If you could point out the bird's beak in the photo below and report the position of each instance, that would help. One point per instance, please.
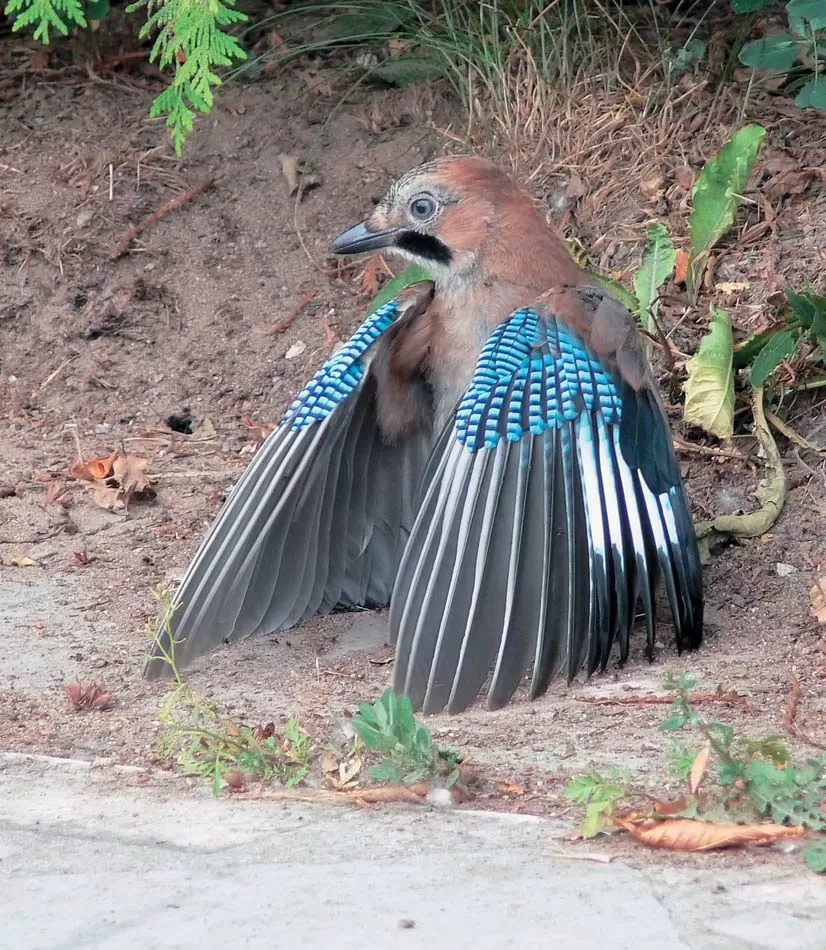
(361, 238)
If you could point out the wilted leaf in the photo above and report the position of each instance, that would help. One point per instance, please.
(23, 561)
(698, 768)
(817, 595)
(369, 277)
(691, 834)
(408, 276)
(85, 696)
(94, 468)
(792, 182)
(731, 287)
(717, 193)
(709, 389)
(56, 493)
(779, 347)
(130, 471)
(106, 496)
(655, 268)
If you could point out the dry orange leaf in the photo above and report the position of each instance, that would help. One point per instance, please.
(817, 595)
(94, 468)
(698, 768)
(368, 279)
(690, 834)
(88, 696)
(681, 266)
(507, 789)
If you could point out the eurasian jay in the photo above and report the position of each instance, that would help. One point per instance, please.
(488, 453)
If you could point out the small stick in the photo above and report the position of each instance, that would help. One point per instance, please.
(123, 245)
(791, 702)
(733, 699)
(52, 376)
(288, 321)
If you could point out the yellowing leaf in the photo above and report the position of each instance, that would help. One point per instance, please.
(709, 389)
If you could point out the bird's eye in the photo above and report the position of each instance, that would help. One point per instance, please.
(422, 207)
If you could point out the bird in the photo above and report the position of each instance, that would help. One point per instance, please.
(488, 453)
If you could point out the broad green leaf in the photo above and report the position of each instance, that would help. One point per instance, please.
(408, 276)
(717, 193)
(384, 772)
(813, 11)
(709, 389)
(813, 94)
(776, 52)
(687, 57)
(677, 721)
(656, 267)
(814, 854)
(780, 347)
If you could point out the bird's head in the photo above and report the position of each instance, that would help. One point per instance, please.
(460, 218)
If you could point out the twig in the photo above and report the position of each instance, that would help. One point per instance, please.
(346, 676)
(792, 700)
(680, 445)
(791, 435)
(123, 245)
(52, 376)
(731, 699)
(287, 322)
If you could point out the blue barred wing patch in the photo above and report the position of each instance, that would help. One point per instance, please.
(340, 375)
(533, 373)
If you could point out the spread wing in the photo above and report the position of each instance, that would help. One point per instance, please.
(550, 509)
(320, 517)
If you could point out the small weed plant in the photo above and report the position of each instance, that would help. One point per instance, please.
(753, 780)
(408, 752)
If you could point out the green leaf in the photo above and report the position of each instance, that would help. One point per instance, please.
(780, 347)
(813, 11)
(723, 730)
(594, 821)
(709, 389)
(673, 722)
(687, 57)
(813, 94)
(777, 52)
(717, 193)
(814, 854)
(728, 771)
(385, 772)
(374, 23)
(656, 267)
(410, 275)
(97, 9)
(409, 70)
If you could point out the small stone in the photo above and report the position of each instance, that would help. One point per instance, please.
(295, 350)
(785, 570)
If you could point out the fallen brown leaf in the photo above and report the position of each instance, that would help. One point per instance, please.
(23, 561)
(235, 781)
(368, 280)
(289, 169)
(698, 768)
(106, 496)
(817, 595)
(681, 266)
(94, 468)
(684, 177)
(130, 472)
(88, 696)
(57, 493)
(791, 182)
(691, 834)
(507, 789)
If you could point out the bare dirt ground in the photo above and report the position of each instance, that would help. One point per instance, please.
(185, 323)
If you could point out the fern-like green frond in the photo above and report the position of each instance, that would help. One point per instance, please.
(44, 15)
(190, 35)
